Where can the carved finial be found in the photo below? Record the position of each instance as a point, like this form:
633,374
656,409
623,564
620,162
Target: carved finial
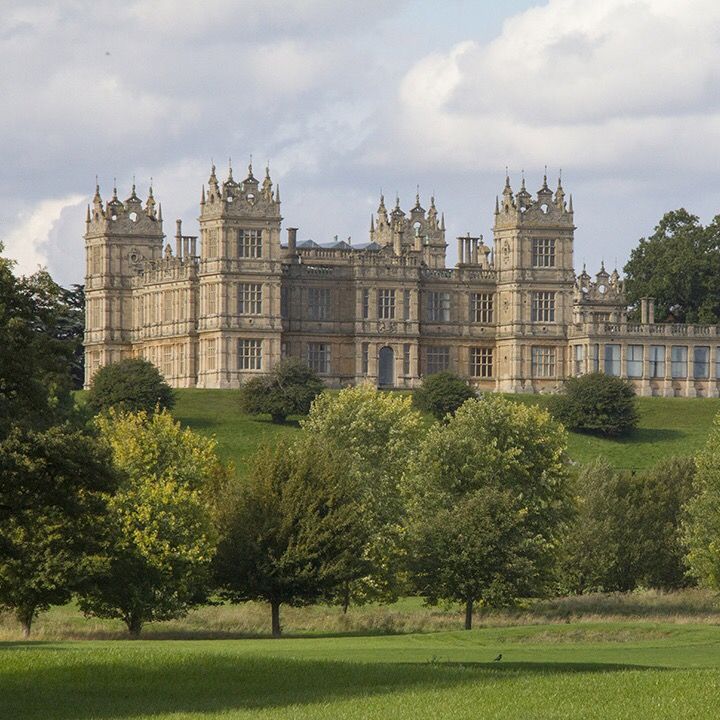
230,177
277,193
545,179
570,205
160,212
250,170
497,205
397,200
560,179
202,195
87,217
372,223
522,175
507,177
417,195
115,195
442,221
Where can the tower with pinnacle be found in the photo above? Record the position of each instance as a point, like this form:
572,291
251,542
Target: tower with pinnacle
119,238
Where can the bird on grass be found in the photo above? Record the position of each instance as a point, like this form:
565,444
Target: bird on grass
498,658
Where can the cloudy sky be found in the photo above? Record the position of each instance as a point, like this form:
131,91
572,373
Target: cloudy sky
347,98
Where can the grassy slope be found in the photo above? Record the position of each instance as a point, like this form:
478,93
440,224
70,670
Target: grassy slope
609,671
668,426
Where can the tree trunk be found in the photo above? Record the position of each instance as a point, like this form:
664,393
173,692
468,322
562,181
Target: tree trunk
468,614
25,616
134,625
275,609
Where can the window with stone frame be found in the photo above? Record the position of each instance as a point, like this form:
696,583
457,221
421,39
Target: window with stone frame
211,251
365,304
481,307
481,362
249,354
543,252
437,359
167,301
543,361
318,357
365,358
406,359
249,298
543,306
657,361
210,361
167,361
249,243
701,362
678,361
318,303
386,304
611,364
579,359
406,304
634,361
438,306
212,299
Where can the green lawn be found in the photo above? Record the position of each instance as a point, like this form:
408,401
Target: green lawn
668,426
608,671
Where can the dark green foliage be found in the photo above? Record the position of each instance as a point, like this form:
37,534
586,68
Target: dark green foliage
598,404
132,385
288,389
35,357
53,487
291,532
499,469
470,552
442,394
678,265
628,528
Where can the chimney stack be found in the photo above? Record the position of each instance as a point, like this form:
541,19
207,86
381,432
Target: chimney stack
178,238
292,240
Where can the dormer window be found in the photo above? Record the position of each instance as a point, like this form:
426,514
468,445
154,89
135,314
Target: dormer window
543,252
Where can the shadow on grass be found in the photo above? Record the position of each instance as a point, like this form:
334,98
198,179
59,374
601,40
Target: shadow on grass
149,681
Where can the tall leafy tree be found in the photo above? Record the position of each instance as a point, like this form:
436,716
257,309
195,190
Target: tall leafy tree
53,490
628,530
292,532
678,265
501,469
35,378
379,433
442,394
702,524
161,539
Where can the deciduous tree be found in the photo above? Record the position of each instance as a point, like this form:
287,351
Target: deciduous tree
133,385
156,563
291,533
289,389
497,469
379,434
442,394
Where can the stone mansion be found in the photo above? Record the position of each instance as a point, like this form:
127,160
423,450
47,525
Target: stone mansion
516,318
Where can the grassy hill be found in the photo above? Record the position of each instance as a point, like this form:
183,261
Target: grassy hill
668,426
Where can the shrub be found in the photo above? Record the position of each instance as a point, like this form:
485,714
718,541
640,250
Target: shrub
597,403
288,389
132,385
442,394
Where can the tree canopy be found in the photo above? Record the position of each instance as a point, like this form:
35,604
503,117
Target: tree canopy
291,533
289,389
442,394
133,385
678,265
597,403
161,539
497,470
379,433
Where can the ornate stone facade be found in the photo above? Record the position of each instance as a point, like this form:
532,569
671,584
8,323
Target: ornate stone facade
513,319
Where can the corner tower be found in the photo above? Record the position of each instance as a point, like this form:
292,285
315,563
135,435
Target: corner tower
239,279
119,238
535,281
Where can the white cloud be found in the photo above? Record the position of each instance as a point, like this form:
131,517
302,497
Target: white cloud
24,243
592,84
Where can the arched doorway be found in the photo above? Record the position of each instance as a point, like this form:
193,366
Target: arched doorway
386,367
